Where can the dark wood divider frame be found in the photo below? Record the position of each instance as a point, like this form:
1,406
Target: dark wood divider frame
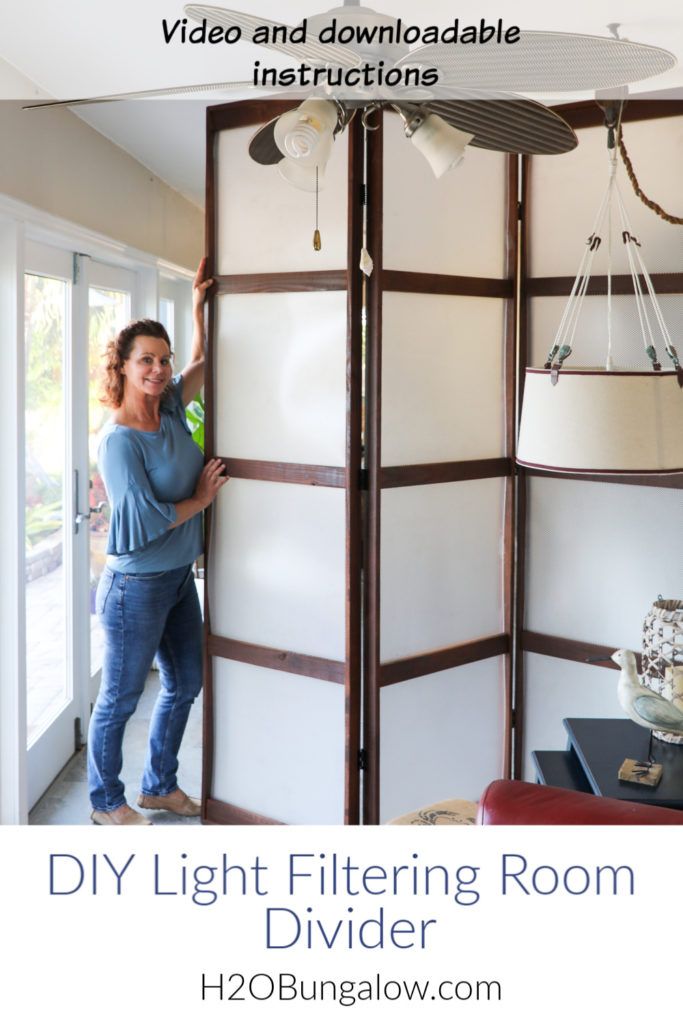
378,674
348,477
579,115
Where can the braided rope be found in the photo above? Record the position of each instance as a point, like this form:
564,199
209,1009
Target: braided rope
636,186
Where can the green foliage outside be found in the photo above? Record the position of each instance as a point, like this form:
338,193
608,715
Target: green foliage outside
44,314
41,521
195,418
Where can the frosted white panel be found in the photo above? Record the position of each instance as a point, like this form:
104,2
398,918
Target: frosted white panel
598,556
440,565
451,225
557,689
278,553
441,737
590,345
265,224
567,190
281,377
278,744
442,378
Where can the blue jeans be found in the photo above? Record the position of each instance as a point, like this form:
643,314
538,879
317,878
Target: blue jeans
142,615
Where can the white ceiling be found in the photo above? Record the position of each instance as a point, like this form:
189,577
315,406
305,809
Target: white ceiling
74,48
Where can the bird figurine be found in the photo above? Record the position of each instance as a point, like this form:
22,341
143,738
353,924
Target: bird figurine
642,705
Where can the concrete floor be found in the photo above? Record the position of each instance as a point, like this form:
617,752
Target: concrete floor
66,801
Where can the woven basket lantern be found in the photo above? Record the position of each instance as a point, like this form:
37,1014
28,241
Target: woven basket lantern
663,656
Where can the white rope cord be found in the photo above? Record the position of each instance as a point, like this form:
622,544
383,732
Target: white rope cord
661,323
574,307
645,328
577,306
584,267
638,267
564,338
612,178
570,313
670,350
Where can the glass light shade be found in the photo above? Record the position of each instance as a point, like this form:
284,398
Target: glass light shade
302,177
305,134
442,145
598,421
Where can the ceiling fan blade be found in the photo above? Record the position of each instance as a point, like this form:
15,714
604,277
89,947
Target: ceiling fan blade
544,62
262,147
178,90
311,50
506,124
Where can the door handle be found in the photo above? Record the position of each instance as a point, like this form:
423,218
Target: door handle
82,516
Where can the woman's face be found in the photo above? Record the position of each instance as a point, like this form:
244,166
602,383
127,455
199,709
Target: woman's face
148,368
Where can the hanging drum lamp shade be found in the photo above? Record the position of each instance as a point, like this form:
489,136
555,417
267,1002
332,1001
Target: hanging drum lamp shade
602,421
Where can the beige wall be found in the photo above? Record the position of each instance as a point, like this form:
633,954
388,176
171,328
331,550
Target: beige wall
54,161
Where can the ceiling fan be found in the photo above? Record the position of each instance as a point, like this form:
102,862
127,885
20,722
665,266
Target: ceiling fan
471,98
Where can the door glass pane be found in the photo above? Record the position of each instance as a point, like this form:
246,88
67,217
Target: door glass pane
109,312
167,316
46,590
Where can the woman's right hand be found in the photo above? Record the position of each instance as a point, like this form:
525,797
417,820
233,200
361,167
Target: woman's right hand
210,482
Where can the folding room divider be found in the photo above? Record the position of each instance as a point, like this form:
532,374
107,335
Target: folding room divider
371,484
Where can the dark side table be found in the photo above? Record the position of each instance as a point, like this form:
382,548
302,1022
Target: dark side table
595,751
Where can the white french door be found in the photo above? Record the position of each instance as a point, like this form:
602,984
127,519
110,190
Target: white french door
72,305
110,298
53,560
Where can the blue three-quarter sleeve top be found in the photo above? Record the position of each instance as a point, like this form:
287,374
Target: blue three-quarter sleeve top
145,474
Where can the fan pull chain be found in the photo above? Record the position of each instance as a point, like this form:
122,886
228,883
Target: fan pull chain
366,262
317,244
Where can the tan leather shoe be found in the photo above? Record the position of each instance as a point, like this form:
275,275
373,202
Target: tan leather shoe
123,815
176,802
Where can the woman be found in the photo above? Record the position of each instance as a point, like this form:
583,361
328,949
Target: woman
157,486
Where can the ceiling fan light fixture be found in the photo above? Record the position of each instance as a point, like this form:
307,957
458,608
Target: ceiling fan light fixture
305,135
442,145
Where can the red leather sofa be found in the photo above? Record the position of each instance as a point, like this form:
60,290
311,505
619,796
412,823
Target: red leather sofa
526,803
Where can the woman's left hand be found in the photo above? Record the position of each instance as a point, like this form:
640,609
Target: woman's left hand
193,373
200,286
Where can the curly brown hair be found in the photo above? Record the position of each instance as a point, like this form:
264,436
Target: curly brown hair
118,350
